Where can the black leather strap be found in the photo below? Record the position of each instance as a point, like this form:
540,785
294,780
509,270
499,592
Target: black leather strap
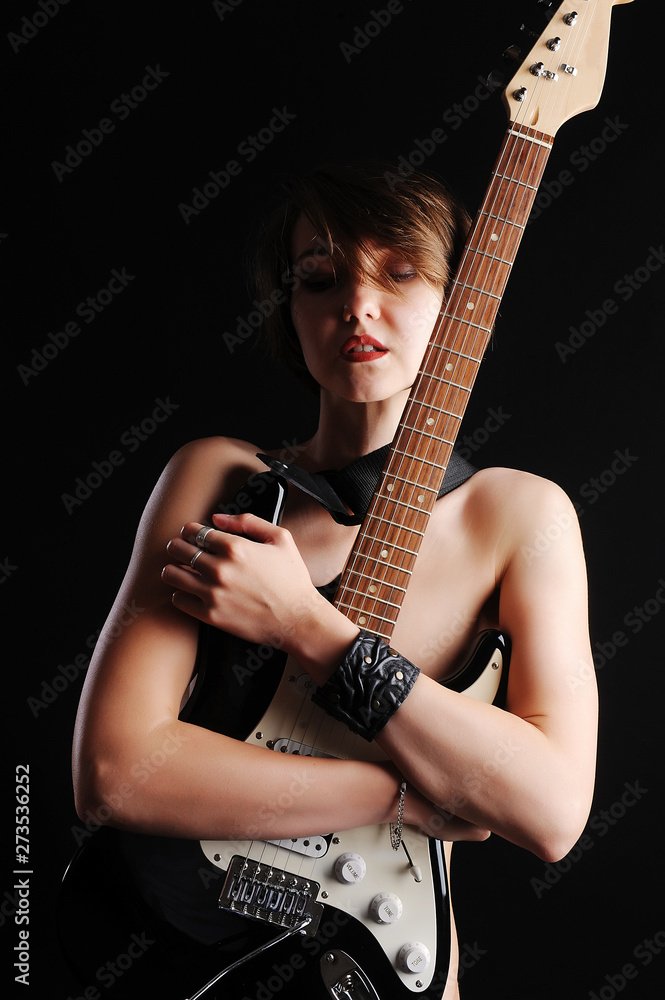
353,486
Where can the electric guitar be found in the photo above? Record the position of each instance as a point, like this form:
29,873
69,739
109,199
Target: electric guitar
364,921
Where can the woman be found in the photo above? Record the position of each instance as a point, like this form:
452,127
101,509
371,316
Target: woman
360,266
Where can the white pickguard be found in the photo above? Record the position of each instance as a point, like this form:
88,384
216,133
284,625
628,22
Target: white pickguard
292,723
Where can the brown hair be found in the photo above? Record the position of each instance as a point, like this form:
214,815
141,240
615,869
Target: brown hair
352,208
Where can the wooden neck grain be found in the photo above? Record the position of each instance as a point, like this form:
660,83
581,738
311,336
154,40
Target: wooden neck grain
378,570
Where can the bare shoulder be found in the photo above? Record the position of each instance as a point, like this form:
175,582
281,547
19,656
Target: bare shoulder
203,473
200,476
520,515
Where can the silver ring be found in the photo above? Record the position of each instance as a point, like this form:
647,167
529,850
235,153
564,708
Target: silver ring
201,536
196,555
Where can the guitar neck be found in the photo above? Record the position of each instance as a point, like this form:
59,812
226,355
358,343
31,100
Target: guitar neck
377,573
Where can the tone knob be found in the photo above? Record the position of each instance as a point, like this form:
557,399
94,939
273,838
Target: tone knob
386,908
350,868
414,957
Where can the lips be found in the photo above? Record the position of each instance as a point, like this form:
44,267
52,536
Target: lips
363,348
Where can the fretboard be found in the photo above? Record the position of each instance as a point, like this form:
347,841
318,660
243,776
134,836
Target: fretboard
380,565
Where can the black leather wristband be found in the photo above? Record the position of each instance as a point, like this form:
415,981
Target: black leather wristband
368,686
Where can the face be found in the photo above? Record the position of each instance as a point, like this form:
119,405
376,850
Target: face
360,341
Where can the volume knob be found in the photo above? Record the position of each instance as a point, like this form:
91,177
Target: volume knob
414,957
350,868
386,908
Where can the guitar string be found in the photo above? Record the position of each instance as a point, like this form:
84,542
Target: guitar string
490,261
487,263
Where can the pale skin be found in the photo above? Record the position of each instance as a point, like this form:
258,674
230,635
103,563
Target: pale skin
526,773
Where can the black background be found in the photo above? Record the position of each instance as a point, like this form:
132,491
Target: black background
526,929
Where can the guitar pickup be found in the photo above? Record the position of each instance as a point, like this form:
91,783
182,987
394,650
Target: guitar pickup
295,747
311,847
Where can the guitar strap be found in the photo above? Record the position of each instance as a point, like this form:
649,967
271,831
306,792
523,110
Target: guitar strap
353,487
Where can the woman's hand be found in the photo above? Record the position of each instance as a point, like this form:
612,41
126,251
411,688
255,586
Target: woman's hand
247,578
436,822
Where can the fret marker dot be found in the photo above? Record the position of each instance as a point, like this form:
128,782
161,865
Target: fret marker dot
430,421
421,498
494,237
390,486
384,553
361,621
471,305
449,366
372,589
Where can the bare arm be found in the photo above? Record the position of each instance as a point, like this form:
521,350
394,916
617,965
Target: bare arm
155,773
526,773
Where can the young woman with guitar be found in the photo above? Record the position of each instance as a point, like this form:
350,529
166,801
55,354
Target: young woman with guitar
361,266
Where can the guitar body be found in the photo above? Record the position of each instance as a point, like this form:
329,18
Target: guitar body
393,929
343,938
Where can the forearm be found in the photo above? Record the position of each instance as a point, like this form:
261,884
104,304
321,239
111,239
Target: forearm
184,781
529,781
494,768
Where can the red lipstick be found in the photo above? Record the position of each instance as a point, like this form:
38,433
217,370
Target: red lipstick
363,348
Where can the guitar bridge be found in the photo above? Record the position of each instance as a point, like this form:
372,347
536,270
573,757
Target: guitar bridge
270,895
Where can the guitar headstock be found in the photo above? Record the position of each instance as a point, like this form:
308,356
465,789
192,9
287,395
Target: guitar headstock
563,73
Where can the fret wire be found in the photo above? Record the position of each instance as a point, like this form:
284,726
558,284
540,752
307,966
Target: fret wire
381,618
369,597
426,434
403,479
373,578
403,503
464,321
439,409
493,257
384,583
440,378
391,522
516,180
499,218
474,288
451,350
386,545
427,461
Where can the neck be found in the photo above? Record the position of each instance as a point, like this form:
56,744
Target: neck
348,430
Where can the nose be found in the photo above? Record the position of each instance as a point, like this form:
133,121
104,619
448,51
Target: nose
361,301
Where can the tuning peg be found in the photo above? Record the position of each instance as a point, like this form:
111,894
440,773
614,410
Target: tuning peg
528,31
